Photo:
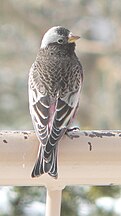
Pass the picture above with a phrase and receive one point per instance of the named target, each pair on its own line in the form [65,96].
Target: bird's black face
[63,35]
[59,35]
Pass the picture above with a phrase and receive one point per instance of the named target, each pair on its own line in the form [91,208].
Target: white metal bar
[94,158]
[53,202]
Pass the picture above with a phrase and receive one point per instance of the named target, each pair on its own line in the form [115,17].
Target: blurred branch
[95,47]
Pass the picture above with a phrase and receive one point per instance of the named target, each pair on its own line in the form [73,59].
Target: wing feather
[39,105]
[64,113]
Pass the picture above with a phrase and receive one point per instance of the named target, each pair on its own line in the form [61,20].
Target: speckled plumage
[55,81]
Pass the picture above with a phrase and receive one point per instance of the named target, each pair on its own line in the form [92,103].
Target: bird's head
[59,35]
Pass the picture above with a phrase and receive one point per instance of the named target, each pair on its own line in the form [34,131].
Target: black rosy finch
[55,81]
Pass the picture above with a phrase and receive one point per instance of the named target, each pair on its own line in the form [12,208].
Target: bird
[55,81]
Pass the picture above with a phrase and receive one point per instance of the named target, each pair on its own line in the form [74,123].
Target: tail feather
[43,166]
[38,168]
[53,171]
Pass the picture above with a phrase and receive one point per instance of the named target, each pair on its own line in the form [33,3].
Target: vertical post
[53,202]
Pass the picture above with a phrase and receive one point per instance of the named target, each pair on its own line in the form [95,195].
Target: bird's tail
[42,166]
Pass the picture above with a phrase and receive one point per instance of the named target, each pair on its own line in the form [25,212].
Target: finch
[55,81]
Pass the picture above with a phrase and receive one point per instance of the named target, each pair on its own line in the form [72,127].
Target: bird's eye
[60,41]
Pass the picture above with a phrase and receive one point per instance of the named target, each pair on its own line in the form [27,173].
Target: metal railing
[94,158]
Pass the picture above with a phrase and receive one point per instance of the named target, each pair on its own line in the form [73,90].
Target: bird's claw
[73,132]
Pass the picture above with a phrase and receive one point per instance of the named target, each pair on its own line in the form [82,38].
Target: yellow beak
[72,38]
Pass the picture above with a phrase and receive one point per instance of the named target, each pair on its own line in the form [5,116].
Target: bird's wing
[65,110]
[39,102]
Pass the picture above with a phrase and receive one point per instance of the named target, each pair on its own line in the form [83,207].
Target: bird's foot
[73,132]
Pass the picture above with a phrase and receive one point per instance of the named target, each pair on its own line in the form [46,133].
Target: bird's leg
[73,132]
